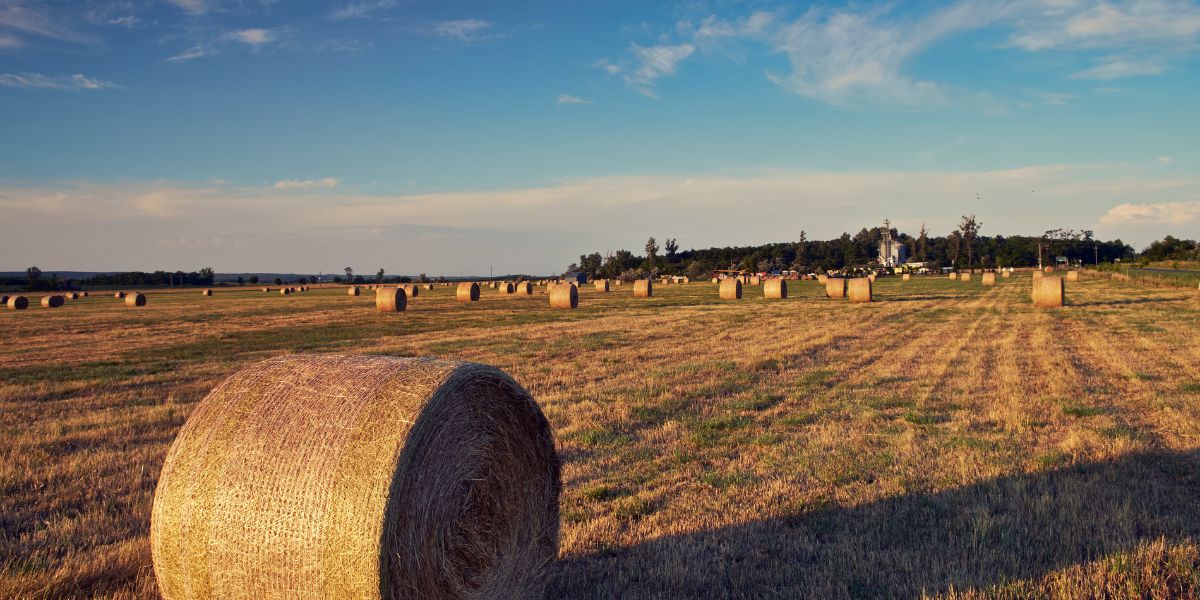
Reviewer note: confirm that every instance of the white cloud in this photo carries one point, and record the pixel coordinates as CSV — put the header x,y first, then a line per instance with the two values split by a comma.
x,y
1165,160
195,7
1115,68
1165,213
564,99
77,81
1104,24
33,18
464,30
254,37
197,51
9,41
359,10
306,184
655,62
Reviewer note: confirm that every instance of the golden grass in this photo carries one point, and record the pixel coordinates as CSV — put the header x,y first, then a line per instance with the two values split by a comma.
x,y
941,441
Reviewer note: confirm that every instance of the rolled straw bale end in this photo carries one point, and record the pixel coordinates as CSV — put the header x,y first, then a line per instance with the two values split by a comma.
x,y
822,279
266,289
564,296
835,287
775,288
859,289
425,479
1050,292
285,291
525,288
17,302
731,289
135,299
468,291
53,301
389,300
643,288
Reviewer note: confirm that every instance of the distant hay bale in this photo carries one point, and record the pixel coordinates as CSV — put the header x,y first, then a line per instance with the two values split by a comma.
x,y
4,300
393,299
755,281
85,294
330,476
1049,292
1006,274
835,287
905,277
412,291
266,289
206,293
428,286
965,276
353,291
687,279
822,279
135,299
564,296
988,279
775,288
54,301
72,296
953,276
1072,275
525,288
859,289
119,295
468,291
16,302
601,285
1049,269
715,280
618,282
731,289
285,291
643,288
507,288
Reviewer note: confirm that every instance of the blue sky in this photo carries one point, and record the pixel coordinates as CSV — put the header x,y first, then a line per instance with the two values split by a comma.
x,y
454,136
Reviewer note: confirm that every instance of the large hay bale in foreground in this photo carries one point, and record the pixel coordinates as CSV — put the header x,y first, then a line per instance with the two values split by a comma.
x,y
467,292
859,289
352,291
731,289
53,301
135,299
643,288
835,287
17,302
392,299
988,279
1072,275
422,478
1049,292
564,296
775,288
602,285
525,288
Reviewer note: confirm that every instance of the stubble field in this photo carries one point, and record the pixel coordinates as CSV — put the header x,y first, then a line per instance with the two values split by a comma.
x,y
946,440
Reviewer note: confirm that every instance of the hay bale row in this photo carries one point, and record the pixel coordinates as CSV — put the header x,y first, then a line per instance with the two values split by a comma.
x,y
775,288
859,289
467,292
643,288
835,287
425,479
1049,292
731,289
388,300
1006,274
16,302
564,296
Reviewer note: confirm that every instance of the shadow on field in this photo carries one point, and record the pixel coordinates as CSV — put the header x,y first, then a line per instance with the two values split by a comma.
x,y
1155,299
1011,528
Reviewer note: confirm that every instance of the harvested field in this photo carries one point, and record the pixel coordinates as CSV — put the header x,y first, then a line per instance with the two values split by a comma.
x,y
944,440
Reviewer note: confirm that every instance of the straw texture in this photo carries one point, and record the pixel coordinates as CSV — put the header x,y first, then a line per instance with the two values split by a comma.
x,y
1072,275
135,299
467,292
54,301
988,279
731,289
359,477
1049,292
392,299
775,288
564,296
859,289
17,302
755,281
835,287
643,288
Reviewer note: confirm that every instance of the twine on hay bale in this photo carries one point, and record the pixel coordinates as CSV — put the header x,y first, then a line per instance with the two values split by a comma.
x,y
775,288
835,287
1072,275
135,299
391,299
353,291
467,292
1049,292
525,288
859,289
731,289
643,288
988,279
206,293
53,301
330,476
564,296
601,285
16,302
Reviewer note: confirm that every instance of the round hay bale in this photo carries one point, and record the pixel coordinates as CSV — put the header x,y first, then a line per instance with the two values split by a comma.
x,y
85,294
206,293
429,287
507,288
410,290
54,301
859,289
564,296
16,302
1072,275
1049,292
775,288
602,285
135,299
424,478
643,288
467,292
755,281
353,291
905,277
687,279
73,296
954,276
285,291
988,279
1006,274
389,300
965,276
119,295
1049,269
4,300
266,289
835,287
731,289
821,279
618,283
525,288
872,277
715,280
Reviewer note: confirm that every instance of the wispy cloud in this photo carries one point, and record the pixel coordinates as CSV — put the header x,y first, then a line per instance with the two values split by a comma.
x,y
195,7
1116,68
306,184
20,17
359,10
197,51
564,99
465,30
655,62
77,81
1168,213
254,37
9,41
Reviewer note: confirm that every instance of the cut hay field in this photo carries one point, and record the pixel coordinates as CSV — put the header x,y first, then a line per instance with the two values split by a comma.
x,y
947,440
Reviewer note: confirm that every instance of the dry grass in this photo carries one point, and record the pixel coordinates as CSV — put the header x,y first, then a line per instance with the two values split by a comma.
x,y
943,440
